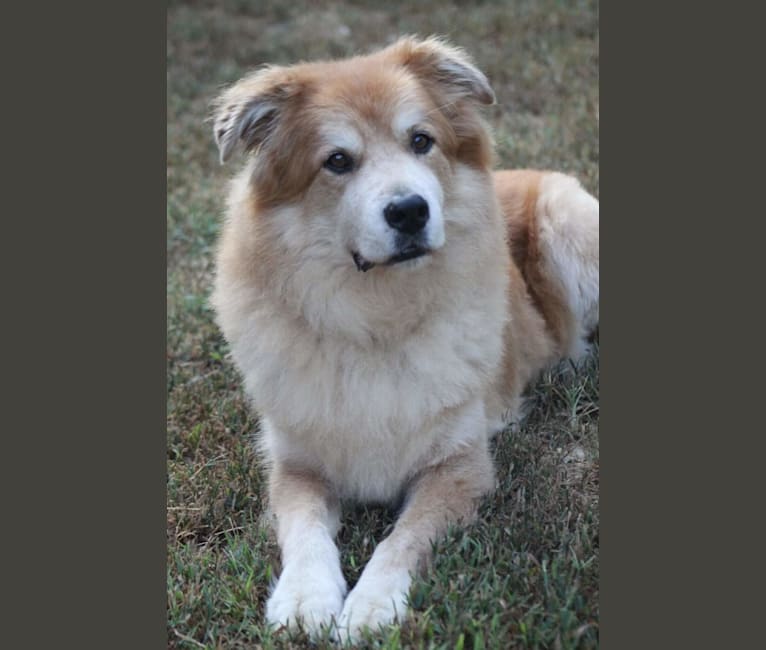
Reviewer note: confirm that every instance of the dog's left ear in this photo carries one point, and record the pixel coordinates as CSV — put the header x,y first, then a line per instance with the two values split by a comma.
x,y
449,67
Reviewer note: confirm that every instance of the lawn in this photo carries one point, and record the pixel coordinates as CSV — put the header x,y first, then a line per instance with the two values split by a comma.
x,y
526,574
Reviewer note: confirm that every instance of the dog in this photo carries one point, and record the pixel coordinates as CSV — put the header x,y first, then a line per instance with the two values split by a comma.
x,y
387,298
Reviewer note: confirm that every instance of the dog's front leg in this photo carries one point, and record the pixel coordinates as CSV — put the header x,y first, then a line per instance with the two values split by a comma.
x,y
311,586
443,494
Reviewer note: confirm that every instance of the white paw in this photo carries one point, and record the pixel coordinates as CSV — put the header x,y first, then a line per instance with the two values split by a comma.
x,y
307,595
378,599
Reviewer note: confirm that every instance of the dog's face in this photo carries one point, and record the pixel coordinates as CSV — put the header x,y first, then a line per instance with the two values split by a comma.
x,y
363,148
381,175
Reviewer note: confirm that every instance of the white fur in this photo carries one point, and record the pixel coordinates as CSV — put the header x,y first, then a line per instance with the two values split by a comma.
x,y
311,587
374,467
379,597
385,175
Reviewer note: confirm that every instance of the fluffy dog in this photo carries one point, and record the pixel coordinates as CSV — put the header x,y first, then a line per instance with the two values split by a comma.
x,y
387,298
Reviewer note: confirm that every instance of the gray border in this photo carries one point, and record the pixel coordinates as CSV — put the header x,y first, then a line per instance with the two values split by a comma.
x,y
84,530
675,564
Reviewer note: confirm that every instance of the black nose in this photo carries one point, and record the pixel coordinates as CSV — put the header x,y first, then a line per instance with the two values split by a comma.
x,y
407,215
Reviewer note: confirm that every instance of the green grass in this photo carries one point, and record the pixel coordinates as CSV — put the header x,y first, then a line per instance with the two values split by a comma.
x,y
526,574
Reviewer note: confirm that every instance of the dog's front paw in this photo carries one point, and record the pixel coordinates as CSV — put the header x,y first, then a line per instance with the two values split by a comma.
x,y
310,596
378,599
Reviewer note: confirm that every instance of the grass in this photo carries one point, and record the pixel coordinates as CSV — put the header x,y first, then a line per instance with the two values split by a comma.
x,y
526,574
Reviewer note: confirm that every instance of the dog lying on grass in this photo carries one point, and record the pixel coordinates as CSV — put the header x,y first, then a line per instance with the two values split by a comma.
x,y
387,297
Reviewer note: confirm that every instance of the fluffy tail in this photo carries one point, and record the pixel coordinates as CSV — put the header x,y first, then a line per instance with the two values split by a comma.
x,y
553,234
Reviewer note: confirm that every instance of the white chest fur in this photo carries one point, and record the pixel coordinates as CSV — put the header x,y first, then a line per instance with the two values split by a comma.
x,y
370,415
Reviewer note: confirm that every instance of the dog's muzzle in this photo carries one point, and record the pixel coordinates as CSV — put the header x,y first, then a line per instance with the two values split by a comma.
x,y
408,216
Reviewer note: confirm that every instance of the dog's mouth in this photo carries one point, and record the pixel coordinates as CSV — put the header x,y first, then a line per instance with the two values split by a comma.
x,y
409,253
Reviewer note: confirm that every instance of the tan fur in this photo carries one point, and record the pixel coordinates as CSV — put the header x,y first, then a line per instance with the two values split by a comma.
x,y
386,385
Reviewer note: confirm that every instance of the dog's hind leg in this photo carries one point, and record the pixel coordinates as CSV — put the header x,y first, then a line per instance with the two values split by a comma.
x,y
311,586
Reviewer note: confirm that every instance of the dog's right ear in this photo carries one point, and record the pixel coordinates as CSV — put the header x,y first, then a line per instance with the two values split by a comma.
x,y
246,114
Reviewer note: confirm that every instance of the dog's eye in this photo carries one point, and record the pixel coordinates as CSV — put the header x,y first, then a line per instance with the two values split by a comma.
x,y
421,142
339,162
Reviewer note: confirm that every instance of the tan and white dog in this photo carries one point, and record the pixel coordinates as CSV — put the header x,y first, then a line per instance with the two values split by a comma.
x,y
387,298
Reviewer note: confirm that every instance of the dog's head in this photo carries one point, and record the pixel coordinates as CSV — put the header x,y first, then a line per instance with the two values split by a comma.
x,y
363,148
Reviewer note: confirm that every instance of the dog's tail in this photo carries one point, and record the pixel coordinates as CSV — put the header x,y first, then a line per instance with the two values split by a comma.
x,y
553,231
